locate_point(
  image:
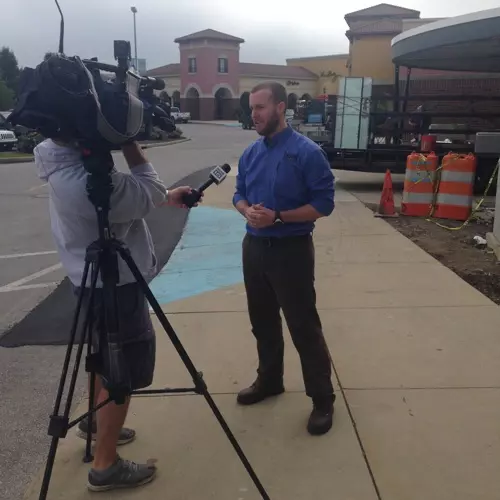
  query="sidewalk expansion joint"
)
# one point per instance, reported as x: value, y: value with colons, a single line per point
x: 403, y: 388
x: 212, y: 393
x: 356, y: 432
x: 320, y: 309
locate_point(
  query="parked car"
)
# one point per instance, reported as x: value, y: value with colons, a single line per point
x: 8, y: 138
x: 19, y: 130
x: 179, y: 116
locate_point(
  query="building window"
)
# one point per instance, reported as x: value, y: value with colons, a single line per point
x: 222, y: 65
x: 192, y: 65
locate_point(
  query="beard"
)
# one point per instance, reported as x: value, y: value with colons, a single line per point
x: 271, y: 126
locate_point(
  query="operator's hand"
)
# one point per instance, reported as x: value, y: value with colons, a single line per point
x: 259, y: 216
x: 175, y: 196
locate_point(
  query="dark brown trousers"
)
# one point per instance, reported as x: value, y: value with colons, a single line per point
x: 279, y: 274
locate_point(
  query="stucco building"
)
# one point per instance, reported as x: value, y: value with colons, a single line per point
x: 210, y: 80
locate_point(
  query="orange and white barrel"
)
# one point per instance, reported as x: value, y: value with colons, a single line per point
x: 456, y: 188
x: 418, y: 192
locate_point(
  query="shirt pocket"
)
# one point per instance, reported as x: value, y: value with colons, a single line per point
x: 290, y: 186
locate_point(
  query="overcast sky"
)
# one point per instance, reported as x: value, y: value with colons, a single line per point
x: 273, y: 29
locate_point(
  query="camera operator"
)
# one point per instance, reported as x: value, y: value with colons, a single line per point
x: 74, y: 228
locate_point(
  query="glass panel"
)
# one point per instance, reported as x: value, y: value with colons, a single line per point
x: 364, y: 124
x: 353, y: 113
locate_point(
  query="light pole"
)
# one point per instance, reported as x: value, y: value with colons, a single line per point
x: 134, y: 11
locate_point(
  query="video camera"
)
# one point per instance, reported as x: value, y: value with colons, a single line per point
x: 69, y: 98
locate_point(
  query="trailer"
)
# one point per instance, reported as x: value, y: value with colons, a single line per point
x: 375, y: 127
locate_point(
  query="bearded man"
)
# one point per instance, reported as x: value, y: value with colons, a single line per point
x: 284, y: 184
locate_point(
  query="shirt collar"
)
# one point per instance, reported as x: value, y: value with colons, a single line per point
x: 279, y: 138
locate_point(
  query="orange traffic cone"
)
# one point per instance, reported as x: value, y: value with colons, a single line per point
x: 386, y: 207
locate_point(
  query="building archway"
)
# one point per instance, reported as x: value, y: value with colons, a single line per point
x: 292, y: 101
x: 165, y: 97
x: 193, y: 103
x: 176, y: 99
x: 245, y: 102
x: 223, y: 104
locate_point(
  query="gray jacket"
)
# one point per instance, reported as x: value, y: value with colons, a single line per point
x: 73, y: 217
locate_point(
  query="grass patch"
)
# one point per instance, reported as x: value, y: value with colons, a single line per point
x: 14, y: 154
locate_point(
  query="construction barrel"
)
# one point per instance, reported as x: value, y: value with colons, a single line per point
x: 456, y: 187
x: 418, y: 191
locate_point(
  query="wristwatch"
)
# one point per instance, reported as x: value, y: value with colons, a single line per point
x: 277, y: 217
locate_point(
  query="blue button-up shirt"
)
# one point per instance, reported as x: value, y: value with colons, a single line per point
x: 285, y: 173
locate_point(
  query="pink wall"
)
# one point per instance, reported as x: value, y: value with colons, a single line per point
x: 207, y: 75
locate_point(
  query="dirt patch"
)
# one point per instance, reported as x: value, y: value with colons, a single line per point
x: 456, y: 249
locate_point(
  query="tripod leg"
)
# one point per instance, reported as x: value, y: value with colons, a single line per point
x: 88, y: 457
x: 74, y: 375
x: 91, y: 370
x: 197, y: 377
x: 58, y: 426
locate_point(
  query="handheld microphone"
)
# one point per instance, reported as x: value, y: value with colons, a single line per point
x: 217, y: 175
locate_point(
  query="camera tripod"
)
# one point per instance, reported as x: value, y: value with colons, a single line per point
x: 102, y: 257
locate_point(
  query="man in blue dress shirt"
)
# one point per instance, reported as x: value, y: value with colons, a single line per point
x: 284, y: 184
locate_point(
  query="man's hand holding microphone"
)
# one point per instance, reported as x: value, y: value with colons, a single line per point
x: 177, y: 197
x: 187, y: 197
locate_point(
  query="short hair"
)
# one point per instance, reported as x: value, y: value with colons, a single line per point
x: 278, y: 91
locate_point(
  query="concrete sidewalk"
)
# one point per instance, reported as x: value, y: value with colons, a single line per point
x: 416, y: 353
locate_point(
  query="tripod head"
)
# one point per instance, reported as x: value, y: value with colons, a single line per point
x: 99, y: 165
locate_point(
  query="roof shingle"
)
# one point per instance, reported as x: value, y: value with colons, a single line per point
x: 383, y: 10
x: 209, y: 35
x: 246, y: 69
x: 377, y: 27
x: 168, y: 70
x: 276, y: 71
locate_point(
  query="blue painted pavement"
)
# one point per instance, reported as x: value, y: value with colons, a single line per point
x: 207, y: 257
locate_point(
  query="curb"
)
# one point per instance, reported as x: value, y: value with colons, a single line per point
x: 216, y: 124
x: 29, y: 159
x: 161, y: 144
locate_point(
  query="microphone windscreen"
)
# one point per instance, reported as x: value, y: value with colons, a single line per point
x: 226, y: 168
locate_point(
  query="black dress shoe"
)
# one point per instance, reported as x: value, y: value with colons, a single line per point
x: 321, y: 418
x: 259, y: 391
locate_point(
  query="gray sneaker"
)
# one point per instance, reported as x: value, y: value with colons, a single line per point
x: 126, y: 435
x: 122, y: 474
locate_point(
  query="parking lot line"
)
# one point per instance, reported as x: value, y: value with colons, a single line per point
x: 16, y: 285
x: 29, y: 287
x: 34, y: 188
x: 30, y: 254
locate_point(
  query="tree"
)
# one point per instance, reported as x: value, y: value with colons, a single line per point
x: 48, y: 55
x: 6, y: 97
x: 9, y: 68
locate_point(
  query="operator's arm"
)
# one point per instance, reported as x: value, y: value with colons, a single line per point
x: 321, y: 187
x: 135, y: 194
x: 239, y: 199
